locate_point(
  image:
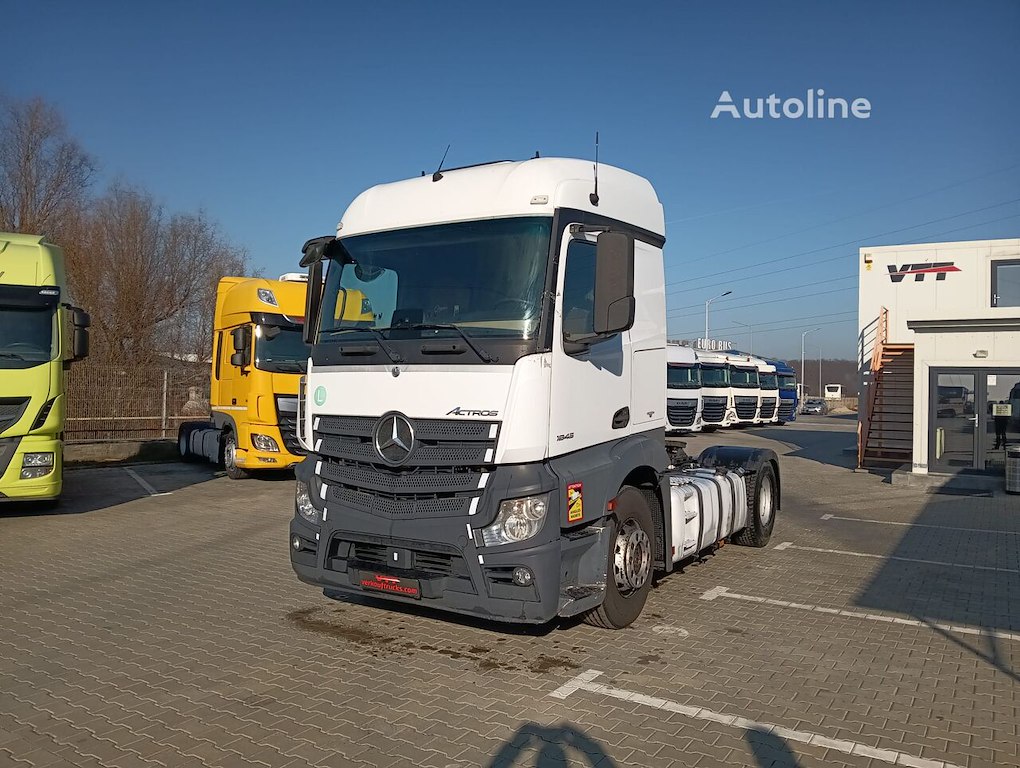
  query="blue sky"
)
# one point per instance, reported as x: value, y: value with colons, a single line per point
x: 272, y: 117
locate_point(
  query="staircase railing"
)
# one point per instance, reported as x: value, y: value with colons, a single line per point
x: 864, y: 424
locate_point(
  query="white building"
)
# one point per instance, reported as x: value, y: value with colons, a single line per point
x: 939, y: 346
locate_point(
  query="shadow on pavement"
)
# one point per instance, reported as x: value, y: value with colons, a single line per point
x: 770, y: 751
x: 971, y: 577
x: 539, y: 746
x: 823, y: 446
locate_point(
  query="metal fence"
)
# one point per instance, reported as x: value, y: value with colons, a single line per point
x: 139, y: 402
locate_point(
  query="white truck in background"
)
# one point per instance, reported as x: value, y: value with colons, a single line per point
x: 505, y: 456
x: 683, y: 390
x: 768, y: 383
x: 716, y: 393
x: 746, y: 388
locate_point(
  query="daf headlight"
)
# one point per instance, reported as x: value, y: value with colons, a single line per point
x: 518, y: 520
x: 303, y: 503
x: 264, y: 443
x: 37, y: 460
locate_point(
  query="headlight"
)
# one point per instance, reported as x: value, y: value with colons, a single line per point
x: 37, y: 460
x: 33, y: 473
x: 264, y: 443
x: 303, y: 502
x: 518, y: 519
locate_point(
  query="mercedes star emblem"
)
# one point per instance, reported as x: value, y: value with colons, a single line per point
x: 394, y: 438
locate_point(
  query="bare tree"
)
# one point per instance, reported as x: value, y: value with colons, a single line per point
x: 44, y: 173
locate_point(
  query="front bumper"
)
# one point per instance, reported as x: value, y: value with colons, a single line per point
x: 250, y: 458
x: 12, y: 451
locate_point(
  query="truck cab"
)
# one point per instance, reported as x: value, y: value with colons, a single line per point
x: 40, y: 332
x: 746, y: 388
x: 717, y: 408
x: 788, y: 397
x: 768, y: 379
x: 683, y: 390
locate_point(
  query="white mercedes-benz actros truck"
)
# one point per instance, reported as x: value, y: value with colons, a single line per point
x: 492, y: 442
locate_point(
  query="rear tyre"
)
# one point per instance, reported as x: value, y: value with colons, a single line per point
x: 629, y: 566
x: 234, y: 472
x: 762, y: 499
x: 184, y: 442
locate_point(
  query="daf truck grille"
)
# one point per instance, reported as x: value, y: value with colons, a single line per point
x: 785, y: 410
x: 746, y: 407
x: 681, y: 413
x: 713, y: 410
x: 768, y: 407
x: 287, y: 417
x: 443, y: 475
x: 11, y: 410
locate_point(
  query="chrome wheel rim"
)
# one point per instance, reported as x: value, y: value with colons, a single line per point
x: 632, y: 559
x: 765, y: 501
x: 229, y: 459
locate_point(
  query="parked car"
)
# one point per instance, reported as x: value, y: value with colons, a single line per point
x: 816, y: 406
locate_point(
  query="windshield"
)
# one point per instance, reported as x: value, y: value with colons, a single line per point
x: 280, y: 350
x: 745, y: 378
x: 788, y: 381
x: 26, y: 337
x: 683, y: 377
x: 769, y: 380
x: 715, y: 376
x: 486, y: 277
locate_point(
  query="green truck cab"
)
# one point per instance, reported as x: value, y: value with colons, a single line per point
x: 40, y: 333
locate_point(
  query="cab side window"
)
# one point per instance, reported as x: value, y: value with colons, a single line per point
x: 579, y: 289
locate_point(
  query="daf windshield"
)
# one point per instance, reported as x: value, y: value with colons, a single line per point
x: 788, y: 381
x: 768, y: 380
x: 485, y: 277
x: 715, y: 376
x: 27, y: 336
x: 683, y: 376
x: 280, y: 350
x: 744, y: 378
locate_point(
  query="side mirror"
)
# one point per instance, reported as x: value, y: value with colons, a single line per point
x: 79, y: 343
x: 313, y: 301
x: 80, y: 318
x: 614, y: 283
x: 241, y: 338
x: 238, y: 359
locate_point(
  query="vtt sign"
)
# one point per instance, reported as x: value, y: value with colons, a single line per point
x: 939, y: 269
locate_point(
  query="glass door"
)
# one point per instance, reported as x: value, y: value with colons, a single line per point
x: 954, y: 435
x: 1000, y: 417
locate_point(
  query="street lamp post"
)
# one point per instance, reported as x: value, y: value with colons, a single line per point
x: 706, y: 311
x: 820, y: 393
x: 802, y: 337
x: 750, y: 333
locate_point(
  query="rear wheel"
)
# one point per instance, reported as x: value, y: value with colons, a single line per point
x: 234, y: 472
x: 762, y: 499
x: 184, y: 442
x: 629, y: 566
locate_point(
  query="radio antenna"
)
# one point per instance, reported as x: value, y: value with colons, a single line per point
x: 594, y: 196
x: 438, y: 174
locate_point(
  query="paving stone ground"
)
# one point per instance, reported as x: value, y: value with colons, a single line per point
x: 140, y: 630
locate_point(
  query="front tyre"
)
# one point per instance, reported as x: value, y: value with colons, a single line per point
x: 629, y: 566
x: 234, y: 472
x: 762, y: 499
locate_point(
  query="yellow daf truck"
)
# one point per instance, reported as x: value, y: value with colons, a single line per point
x: 40, y: 333
x: 259, y: 357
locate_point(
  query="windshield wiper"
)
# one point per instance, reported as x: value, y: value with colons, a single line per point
x: 12, y: 356
x: 392, y: 354
x: 287, y: 365
x: 484, y: 356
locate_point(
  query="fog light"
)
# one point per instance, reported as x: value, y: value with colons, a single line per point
x: 523, y: 577
x: 296, y: 543
x: 34, y: 473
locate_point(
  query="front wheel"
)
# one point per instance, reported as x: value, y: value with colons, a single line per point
x: 762, y: 500
x: 629, y: 566
x: 234, y: 472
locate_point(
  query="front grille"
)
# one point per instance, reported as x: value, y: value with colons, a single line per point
x: 681, y: 413
x: 442, y: 477
x: 746, y: 407
x: 768, y: 407
x: 11, y: 410
x: 785, y: 410
x: 287, y: 416
x: 713, y: 410
x: 370, y: 556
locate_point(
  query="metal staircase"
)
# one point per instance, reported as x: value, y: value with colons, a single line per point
x: 886, y: 430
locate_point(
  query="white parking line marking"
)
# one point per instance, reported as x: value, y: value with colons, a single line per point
x: 968, y: 566
x: 715, y: 592
x: 146, y: 486
x: 583, y: 682
x: 920, y: 525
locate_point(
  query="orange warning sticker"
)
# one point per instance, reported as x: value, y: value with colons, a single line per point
x: 575, y: 508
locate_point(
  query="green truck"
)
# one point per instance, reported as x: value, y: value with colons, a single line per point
x: 40, y: 334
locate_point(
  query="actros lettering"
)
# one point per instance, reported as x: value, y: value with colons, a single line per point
x: 458, y: 411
